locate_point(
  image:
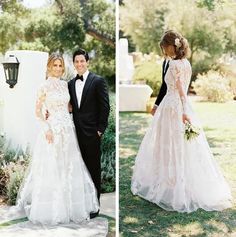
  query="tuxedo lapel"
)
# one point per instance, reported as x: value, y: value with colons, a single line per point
x: 74, y: 92
x: 86, y: 87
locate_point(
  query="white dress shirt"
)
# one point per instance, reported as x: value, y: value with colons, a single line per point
x: 79, y: 86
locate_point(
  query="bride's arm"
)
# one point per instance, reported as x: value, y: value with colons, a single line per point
x: 182, y: 93
x: 183, y: 98
x: 45, y: 125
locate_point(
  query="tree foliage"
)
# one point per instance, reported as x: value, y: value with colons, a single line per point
x: 64, y: 26
x: 209, y: 26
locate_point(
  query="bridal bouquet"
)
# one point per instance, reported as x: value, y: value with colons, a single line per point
x: 191, y: 131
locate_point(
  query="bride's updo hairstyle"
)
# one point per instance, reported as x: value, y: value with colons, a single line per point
x: 52, y: 58
x: 180, y: 44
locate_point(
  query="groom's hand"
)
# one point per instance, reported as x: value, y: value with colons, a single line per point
x: 47, y: 115
x: 99, y: 133
x: 49, y: 136
x: 153, y: 111
x: 69, y: 107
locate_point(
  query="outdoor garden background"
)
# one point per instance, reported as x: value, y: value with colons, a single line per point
x: 210, y: 27
x: 60, y: 26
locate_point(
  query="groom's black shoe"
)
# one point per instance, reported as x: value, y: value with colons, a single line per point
x: 94, y: 214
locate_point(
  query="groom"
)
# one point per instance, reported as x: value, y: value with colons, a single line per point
x: 163, y: 88
x: 90, y: 109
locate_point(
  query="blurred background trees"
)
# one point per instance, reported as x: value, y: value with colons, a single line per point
x: 63, y: 25
x: 209, y: 26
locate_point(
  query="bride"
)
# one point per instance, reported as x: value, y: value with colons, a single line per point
x: 170, y: 171
x: 57, y: 187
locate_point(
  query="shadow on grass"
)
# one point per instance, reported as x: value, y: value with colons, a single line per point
x: 132, y: 135
x: 139, y: 217
x: 213, y: 140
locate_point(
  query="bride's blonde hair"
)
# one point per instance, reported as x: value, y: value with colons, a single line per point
x: 180, y: 44
x: 51, y: 59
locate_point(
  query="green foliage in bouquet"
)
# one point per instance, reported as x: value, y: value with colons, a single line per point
x: 108, y: 148
x: 191, y: 131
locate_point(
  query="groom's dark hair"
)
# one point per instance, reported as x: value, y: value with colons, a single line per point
x: 80, y: 52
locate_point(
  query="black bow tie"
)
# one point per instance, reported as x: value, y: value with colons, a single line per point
x: 79, y: 77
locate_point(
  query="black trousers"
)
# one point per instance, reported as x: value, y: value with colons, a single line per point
x: 91, y: 153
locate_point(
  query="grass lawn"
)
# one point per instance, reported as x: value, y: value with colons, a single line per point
x: 142, y: 218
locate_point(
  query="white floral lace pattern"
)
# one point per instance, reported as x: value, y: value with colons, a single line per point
x: 57, y: 187
x: 176, y: 174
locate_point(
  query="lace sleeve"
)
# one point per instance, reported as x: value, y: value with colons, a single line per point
x: 41, y: 96
x: 177, y: 72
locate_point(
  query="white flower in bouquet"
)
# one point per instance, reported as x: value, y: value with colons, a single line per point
x: 191, y: 131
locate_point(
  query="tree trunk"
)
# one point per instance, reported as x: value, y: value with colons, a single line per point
x: 102, y: 37
x: 89, y: 28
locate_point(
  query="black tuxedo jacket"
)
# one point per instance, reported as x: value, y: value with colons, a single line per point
x: 163, y: 88
x: 92, y: 115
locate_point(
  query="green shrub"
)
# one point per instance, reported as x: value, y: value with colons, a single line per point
x: 4, y: 178
x: 2, y: 141
x: 149, y: 72
x: 7, y: 152
x: 9, y: 155
x: 230, y: 71
x: 16, y: 178
x: 202, y: 64
x: 108, y: 172
x: 233, y: 86
x: 108, y: 148
x: 213, y: 86
x: 13, y: 163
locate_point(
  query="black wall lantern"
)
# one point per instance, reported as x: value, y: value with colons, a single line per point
x: 11, y: 68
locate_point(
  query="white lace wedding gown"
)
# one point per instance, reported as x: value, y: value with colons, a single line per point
x: 176, y: 174
x: 58, y: 187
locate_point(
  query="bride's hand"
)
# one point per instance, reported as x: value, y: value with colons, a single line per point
x: 49, y: 136
x: 153, y: 111
x: 185, y: 118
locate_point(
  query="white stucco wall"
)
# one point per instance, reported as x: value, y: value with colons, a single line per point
x: 17, y: 105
